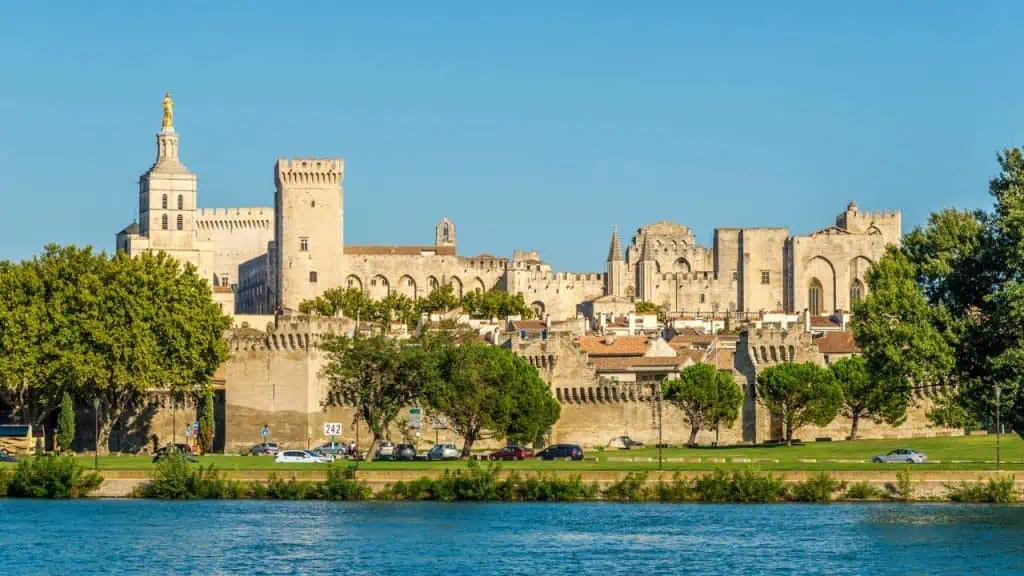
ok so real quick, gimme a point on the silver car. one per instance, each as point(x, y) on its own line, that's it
point(904, 455)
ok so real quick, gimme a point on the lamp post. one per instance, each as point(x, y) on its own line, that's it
point(96, 420)
point(998, 425)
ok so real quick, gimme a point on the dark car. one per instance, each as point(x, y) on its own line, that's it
point(264, 449)
point(567, 451)
point(405, 452)
point(512, 453)
point(182, 449)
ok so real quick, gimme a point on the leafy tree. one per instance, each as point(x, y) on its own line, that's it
point(799, 394)
point(376, 375)
point(495, 304)
point(349, 302)
point(66, 423)
point(207, 421)
point(867, 396)
point(645, 307)
point(440, 299)
point(706, 395)
point(489, 392)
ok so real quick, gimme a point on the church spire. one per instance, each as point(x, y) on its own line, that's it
point(167, 142)
point(645, 253)
point(615, 250)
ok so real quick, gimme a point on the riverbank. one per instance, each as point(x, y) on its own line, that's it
point(925, 485)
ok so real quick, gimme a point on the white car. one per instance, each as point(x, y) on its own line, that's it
point(386, 451)
point(299, 457)
point(443, 452)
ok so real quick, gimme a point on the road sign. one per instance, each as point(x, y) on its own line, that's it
point(195, 428)
point(188, 431)
point(415, 418)
point(265, 432)
point(332, 429)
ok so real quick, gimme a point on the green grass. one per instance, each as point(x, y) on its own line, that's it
point(976, 448)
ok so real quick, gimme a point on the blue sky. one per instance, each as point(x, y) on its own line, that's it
point(532, 125)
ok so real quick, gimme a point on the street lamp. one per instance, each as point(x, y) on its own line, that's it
point(96, 418)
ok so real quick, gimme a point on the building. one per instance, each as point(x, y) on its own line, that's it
point(263, 259)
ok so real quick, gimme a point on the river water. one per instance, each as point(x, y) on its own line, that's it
point(427, 539)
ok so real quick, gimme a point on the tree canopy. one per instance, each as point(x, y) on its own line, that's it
point(866, 395)
point(106, 328)
point(706, 395)
point(799, 394)
point(489, 392)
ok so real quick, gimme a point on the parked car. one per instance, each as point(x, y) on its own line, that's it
point(332, 451)
point(568, 451)
point(624, 443)
point(299, 457)
point(386, 451)
point(5, 457)
point(443, 452)
point(905, 455)
point(264, 449)
point(183, 449)
point(512, 453)
point(405, 452)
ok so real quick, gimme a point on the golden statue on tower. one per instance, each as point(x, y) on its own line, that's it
point(168, 112)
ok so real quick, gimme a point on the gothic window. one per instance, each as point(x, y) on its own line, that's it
point(224, 280)
point(163, 221)
point(312, 277)
point(446, 233)
point(856, 290)
point(816, 297)
point(181, 222)
point(181, 202)
point(303, 244)
point(373, 281)
point(766, 277)
point(163, 201)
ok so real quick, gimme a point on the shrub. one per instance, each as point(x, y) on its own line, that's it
point(552, 489)
point(51, 477)
point(174, 479)
point(342, 485)
point(1001, 490)
point(66, 423)
point(278, 489)
point(863, 491)
point(817, 488)
point(631, 488)
point(904, 489)
point(748, 485)
point(6, 475)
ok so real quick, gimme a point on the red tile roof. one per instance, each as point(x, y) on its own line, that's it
point(529, 325)
point(620, 346)
point(823, 321)
point(837, 343)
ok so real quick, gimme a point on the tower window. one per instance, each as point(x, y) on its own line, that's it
point(312, 277)
point(766, 277)
point(224, 280)
point(735, 275)
point(181, 202)
point(701, 298)
point(446, 233)
point(181, 222)
point(304, 244)
point(163, 201)
point(815, 297)
point(856, 291)
point(163, 222)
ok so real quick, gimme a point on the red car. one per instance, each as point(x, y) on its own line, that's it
point(512, 453)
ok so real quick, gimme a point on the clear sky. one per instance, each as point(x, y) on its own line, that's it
point(531, 124)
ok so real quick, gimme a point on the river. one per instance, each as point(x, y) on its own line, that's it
point(428, 539)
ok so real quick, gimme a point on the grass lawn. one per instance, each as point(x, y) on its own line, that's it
point(975, 448)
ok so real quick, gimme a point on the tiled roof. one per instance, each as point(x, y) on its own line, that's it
point(837, 343)
point(695, 355)
point(691, 340)
point(620, 346)
point(823, 321)
point(398, 250)
point(627, 363)
point(724, 358)
point(529, 325)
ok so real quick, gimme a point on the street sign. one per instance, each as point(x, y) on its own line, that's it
point(265, 432)
point(440, 423)
point(195, 428)
point(415, 418)
point(332, 429)
point(188, 431)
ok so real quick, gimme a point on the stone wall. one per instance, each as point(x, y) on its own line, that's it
point(238, 235)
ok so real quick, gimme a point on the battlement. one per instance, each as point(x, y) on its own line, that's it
point(231, 219)
point(309, 171)
point(696, 277)
point(870, 221)
point(287, 333)
point(246, 212)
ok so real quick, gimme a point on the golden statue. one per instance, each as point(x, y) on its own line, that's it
point(168, 112)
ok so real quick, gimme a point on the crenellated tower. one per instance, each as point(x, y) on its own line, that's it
point(308, 232)
point(886, 223)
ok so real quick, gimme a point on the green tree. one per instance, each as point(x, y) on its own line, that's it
point(645, 307)
point(868, 396)
point(206, 421)
point(495, 304)
point(706, 395)
point(349, 302)
point(489, 392)
point(376, 375)
point(66, 423)
point(440, 299)
point(799, 394)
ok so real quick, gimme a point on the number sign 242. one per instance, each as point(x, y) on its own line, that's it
point(332, 429)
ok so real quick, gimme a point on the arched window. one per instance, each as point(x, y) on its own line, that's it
point(181, 202)
point(856, 291)
point(446, 233)
point(163, 201)
point(181, 222)
point(163, 222)
point(815, 297)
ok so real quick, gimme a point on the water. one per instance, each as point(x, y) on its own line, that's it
point(427, 539)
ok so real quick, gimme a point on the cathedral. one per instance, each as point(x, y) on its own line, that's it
point(265, 259)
